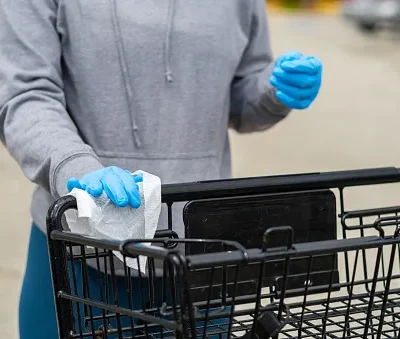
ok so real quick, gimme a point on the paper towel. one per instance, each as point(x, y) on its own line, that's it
point(100, 218)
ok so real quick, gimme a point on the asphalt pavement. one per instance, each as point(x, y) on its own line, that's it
point(353, 124)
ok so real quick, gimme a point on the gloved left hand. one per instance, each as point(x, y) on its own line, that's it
point(297, 79)
point(119, 185)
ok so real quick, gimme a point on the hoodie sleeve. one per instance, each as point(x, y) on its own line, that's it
point(254, 106)
point(34, 124)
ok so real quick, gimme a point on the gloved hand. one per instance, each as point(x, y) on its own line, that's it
point(297, 79)
point(119, 185)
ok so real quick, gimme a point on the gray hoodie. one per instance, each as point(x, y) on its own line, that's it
point(150, 85)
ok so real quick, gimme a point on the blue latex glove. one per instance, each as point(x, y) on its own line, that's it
point(297, 79)
point(119, 185)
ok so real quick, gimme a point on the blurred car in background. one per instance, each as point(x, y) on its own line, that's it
point(371, 15)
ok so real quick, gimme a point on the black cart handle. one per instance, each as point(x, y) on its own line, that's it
point(68, 202)
point(278, 184)
point(251, 186)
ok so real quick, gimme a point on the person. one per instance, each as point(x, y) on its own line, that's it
point(92, 89)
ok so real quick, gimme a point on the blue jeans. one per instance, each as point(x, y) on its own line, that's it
point(37, 316)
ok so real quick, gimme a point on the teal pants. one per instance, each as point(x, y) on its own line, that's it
point(37, 316)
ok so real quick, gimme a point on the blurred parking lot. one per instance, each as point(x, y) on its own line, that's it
point(353, 124)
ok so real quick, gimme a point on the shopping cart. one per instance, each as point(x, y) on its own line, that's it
point(280, 269)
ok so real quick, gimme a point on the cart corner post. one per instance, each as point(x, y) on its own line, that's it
point(59, 266)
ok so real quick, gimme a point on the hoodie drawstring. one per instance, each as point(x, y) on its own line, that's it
point(123, 62)
point(167, 47)
point(124, 71)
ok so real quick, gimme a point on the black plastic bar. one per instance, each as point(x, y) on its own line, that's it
point(278, 184)
point(252, 186)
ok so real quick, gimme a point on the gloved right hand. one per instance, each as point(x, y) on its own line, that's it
point(120, 185)
point(297, 79)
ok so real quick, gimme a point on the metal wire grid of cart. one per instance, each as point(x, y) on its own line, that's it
point(262, 280)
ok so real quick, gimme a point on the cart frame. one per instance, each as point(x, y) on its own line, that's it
point(369, 307)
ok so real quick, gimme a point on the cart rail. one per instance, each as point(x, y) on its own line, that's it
point(278, 184)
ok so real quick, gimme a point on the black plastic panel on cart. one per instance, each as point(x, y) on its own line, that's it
point(312, 215)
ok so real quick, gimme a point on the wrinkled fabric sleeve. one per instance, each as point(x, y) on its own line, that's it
point(254, 106)
point(34, 124)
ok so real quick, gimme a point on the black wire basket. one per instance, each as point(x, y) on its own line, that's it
point(280, 270)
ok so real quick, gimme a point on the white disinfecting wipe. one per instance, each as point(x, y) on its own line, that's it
point(101, 219)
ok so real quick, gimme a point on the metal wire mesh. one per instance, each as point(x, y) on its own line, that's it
point(347, 288)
